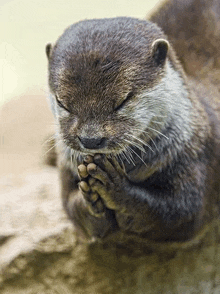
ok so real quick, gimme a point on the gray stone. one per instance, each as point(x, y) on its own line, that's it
point(39, 252)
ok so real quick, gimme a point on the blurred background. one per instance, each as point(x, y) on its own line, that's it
point(26, 27)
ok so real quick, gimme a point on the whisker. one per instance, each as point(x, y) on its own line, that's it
point(125, 156)
point(158, 132)
point(130, 155)
point(144, 143)
point(153, 142)
point(51, 138)
point(146, 133)
point(119, 156)
point(136, 144)
point(56, 143)
point(138, 139)
point(138, 156)
point(123, 153)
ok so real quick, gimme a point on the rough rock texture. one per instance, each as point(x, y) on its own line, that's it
point(39, 253)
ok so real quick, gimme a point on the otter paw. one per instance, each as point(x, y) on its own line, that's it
point(94, 202)
point(82, 168)
point(105, 182)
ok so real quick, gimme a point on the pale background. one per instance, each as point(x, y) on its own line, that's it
point(26, 27)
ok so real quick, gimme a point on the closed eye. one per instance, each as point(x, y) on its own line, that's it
point(129, 96)
point(60, 103)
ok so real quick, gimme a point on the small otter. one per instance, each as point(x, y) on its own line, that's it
point(136, 144)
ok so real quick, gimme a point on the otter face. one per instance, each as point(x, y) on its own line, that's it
point(101, 75)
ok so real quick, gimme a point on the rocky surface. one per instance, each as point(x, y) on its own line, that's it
point(39, 252)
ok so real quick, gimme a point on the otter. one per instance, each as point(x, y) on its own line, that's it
point(137, 139)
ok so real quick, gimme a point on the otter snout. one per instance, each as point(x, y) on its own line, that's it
point(93, 142)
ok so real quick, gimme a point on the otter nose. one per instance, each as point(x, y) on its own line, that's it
point(93, 143)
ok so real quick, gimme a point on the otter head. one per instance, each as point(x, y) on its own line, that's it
point(103, 76)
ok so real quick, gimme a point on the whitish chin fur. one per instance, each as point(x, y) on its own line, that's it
point(166, 101)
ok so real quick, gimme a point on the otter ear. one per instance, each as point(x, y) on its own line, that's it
point(48, 50)
point(159, 50)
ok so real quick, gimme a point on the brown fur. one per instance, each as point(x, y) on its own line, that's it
point(98, 71)
point(193, 28)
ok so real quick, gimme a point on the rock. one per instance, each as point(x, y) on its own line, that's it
point(39, 252)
